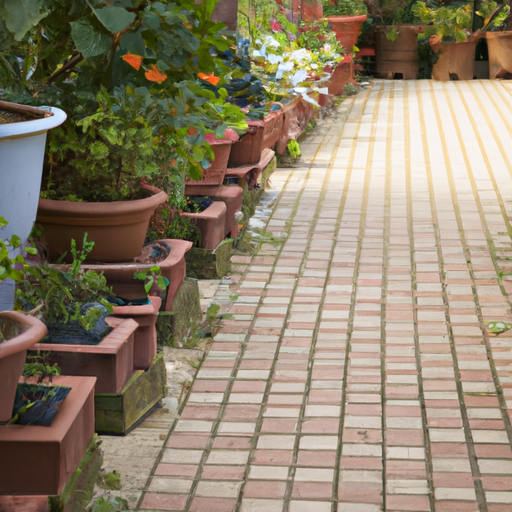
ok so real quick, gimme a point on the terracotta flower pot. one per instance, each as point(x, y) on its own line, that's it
point(262, 134)
point(118, 228)
point(398, 58)
point(456, 60)
point(226, 11)
point(296, 117)
point(214, 175)
point(307, 11)
point(347, 29)
point(144, 340)
point(20, 332)
point(111, 361)
point(499, 45)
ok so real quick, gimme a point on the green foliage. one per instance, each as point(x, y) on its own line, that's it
point(39, 366)
point(426, 58)
point(57, 293)
point(110, 481)
point(450, 23)
point(211, 314)
point(7, 262)
point(293, 148)
point(109, 504)
point(344, 8)
point(152, 277)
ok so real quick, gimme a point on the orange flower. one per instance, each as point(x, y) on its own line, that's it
point(212, 79)
point(153, 75)
point(134, 60)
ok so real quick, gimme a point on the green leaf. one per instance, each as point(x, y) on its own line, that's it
point(23, 15)
point(132, 42)
point(114, 19)
point(88, 41)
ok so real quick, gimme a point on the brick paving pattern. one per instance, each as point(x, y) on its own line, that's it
point(357, 374)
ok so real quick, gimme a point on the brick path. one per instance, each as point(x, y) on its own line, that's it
point(357, 374)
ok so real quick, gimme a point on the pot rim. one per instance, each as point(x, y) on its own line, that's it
point(35, 126)
point(33, 331)
point(347, 18)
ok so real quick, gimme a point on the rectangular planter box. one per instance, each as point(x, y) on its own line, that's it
point(211, 224)
point(39, 460)
point(261, 135)
point(111, 361)
point(144, 339)
point(231, 196)
point(214, 175)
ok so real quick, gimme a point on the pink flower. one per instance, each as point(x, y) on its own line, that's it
point(274, 25)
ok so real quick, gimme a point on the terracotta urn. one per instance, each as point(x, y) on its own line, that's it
point(456, 60)
point(117, 228)
point(499, 45)
point(20, 332)
point(347, 29)
point(398, 58)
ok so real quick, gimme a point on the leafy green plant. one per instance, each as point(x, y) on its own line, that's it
point(8, 262)
point(109, 504)
point(344, 8)
point(58, 293)
point(293, 148)
point(152, 277)
point(38, 366)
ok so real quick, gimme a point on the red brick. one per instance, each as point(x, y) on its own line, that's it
point(264, 489)
point(212, 505)
point(164, 501)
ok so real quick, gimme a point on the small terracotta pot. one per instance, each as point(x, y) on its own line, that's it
point(499, 45)
point(118, 228)
point(21, 332)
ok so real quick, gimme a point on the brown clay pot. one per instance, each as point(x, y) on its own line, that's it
point(398, 58)
point(118, 228)
point(58, 448)
point(499, 45)
point(307, 10)
point(261, 135)
point(347, 29)
point(144, 339)
point(295, 120)
point(339, 78)
point(111, 361)
point(20, 332)
point(456, 61)
point(214, 175)
point(226, 11)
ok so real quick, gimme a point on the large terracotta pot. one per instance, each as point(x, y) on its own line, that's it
point(261, 135)
point(296, 117)
point(456, 60)
point(118, 228)
point(20, 332)
point(214, 175)
point(307, 10)
point(398, 58)
point(347, 29)
point(226, 11)
point(499, 45)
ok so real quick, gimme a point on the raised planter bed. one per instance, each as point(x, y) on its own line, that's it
point(261, 135)
point(231, 196)
point(211, 224)
point(111, 361)
point(58, 448)
point(172, 266)
point(144, 339)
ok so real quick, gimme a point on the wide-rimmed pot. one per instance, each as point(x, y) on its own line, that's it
point(214, 175)
point(20, 332)
point(456, 60)
point(499, 45)
point(397, 58)
point(117, 228)
point(347, 29)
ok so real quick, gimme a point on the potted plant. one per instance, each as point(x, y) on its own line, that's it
point(498, 34)
point(396, 31)
point(449, 35)
point(347, 18)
